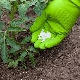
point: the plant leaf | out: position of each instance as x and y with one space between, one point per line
32 59
15 23
27 26
32 49
0 12
5 4
1 39
14 46
23 0
22 8
4 53
15 29
13 63
14 49
12 0
1 26
22 56
39 7
26 40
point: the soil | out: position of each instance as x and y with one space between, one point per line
58 63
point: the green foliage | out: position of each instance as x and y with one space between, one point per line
4 53
31 57
5 4
14 50
39 7
26 39
1 25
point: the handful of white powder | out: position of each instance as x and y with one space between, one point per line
44 35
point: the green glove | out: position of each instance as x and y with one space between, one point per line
54 24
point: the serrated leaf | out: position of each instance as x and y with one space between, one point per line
1 25
26 40
22 56
1 38
11 42
0 12
15 23
22 8
23 0
39 7
42 0
46 1
14 49
33 2
14 46
12 0
32 49
28 26
15 29
32 59
5 4
13 63
29 18
4 53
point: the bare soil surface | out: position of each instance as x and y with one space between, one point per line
58 63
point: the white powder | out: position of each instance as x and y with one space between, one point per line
44 35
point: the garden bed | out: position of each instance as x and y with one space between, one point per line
17 53
59 63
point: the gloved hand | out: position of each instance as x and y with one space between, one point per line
54 24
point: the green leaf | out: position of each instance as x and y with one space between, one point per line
22 8
1 38
15 23
13 63
12 0
14 46
0 12
11 42
32 49
4 53
1 25
5 4
22 56
15 29
39 7
32 59
14 49
42 0
33 2
26 40
29 18
28 26
23 0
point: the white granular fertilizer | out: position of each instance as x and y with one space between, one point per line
44 35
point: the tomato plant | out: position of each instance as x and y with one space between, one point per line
14 45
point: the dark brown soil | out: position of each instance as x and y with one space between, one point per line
59 63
